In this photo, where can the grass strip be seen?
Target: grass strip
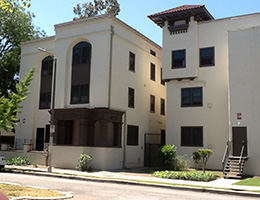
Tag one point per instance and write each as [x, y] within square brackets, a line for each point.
[13, 191]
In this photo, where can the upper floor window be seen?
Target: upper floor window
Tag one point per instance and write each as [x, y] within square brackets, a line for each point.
[131, 61]
[152, 72]
[162, 106]
[191, 96]
[207, 57]
[152, 103]
[179, 59]
[131, 98]
[80, 76]
[46, 83]
[153, 52]
[162, 81]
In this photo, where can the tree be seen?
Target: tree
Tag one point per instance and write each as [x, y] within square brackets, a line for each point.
[205, 154]
[9, 5]
[15, 27]
[99, 7]
[9, 105]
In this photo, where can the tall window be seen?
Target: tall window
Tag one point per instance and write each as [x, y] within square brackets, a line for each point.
[162, 106]
[152, 72]
[179, 59]
[162, 81]
[152, 103]
[207, 57]
[132, 135]
[131, 61]
[46, 83]
[192, 136]
[191, 96]
[131, 98]
[81, 62]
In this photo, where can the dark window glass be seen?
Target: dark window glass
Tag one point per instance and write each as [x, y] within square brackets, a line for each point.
[153, 52]
[132, 135]
[47, 133]
[192, 136]
[131, 61]
[179, 59]
[162, 81]
[152, 103]
[152, 71]
[191, 96]
[207, 57]
[80, 73]
[46, 83]
[162, 107]
[131, 97]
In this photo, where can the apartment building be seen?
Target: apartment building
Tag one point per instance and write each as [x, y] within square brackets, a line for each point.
[110, 99]
[211, 67]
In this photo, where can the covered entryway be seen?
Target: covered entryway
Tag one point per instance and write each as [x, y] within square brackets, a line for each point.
[239, 135]
[39, 139]
[152, 144]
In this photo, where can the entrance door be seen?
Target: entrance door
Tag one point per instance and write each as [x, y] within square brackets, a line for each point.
[239, 137]
[152, 145]
[39, 139]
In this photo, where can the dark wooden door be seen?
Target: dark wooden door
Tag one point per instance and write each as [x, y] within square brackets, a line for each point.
[239, 137]
[39, 139]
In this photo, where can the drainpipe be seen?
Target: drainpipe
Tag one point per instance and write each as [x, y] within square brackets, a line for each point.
[124, 142]
[110, 65]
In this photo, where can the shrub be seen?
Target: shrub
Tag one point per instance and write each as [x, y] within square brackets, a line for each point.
[192, 176]
[19, 161]
[83, 163]
[180, 163]
[205, 154]
[196, 158]
[167, 154]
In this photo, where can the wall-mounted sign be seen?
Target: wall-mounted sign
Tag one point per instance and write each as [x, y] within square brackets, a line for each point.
[239, 116]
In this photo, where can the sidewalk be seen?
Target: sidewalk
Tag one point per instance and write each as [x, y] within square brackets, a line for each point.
[138, 176]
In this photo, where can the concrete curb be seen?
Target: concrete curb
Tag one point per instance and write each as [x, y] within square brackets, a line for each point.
[144, 183]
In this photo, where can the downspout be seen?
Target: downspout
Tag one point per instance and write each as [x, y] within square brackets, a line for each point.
[110, 66]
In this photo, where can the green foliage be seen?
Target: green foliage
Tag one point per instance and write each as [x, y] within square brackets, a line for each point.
[19, 161]
[167, 154]
[84, 163]
[180, 163]
[99, 7]
[9, 106]
[9, 5]
[196, 158]
[15, 27]
[192, 176]
[205, 154]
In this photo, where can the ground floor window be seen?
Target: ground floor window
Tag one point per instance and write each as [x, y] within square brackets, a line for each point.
[192, 136]
[132, 135]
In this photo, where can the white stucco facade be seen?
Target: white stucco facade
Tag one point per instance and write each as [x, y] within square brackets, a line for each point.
[228, 84]
[111, 42]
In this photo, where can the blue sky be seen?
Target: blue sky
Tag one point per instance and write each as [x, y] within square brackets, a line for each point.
[135, 12]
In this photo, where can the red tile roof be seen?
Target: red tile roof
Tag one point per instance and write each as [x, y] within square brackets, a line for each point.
[178, 9]
[182, 12]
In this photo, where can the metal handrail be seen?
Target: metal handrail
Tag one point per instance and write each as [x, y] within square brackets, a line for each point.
[241, 154]
[225, 155]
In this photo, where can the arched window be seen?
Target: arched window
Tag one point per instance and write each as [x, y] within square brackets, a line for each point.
[80, 77]
[46, 83]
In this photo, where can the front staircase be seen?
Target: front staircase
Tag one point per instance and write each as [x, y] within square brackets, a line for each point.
[234, 167]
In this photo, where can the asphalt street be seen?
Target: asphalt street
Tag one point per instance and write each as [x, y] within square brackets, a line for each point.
[88, 190]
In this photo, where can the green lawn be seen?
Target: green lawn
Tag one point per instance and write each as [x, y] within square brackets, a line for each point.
[249, 182]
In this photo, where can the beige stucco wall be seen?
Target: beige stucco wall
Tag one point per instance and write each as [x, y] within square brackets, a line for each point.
[98, 33]
[214, 114]
[244, 48]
